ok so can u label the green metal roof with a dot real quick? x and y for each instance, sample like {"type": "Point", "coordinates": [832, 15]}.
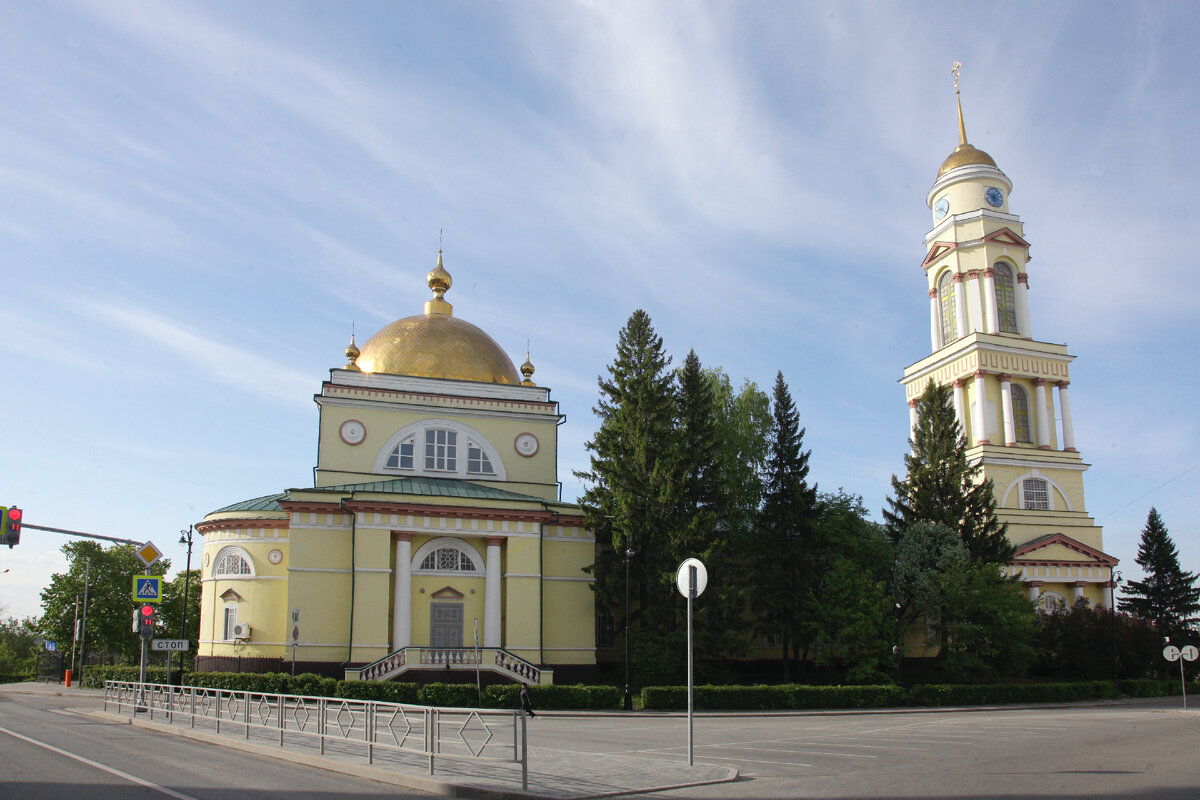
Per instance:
{"type": "Point", "coordinates": [268, 502]}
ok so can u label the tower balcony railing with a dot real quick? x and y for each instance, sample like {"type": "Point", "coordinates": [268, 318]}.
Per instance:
{"type": "Point", "coordinates": [489, 659]}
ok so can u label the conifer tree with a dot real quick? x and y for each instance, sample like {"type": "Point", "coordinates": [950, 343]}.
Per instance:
{"type": "Point", "coordinates": [942, 488]}
{"type": "Point", "coordinates": [782, 590]}
{"type": "Point", "coordinates": [1168, 597]}
{"type": "Point", "coordinates": [632, 491]}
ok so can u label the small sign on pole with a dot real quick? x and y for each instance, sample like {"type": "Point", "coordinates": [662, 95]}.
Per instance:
{"type": "Point", "coordinates": [692, 579]}
{"type": "Point", "coordinates": [148, 553]}
{"type": "Point", "coordinates": [169, 645]}
{"type": "Point", "coordinates": [1186, 653]}
{"type": "Point", "coordinates": [147, 588]}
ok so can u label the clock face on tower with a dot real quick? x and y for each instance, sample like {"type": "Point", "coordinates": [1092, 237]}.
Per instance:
{"type": "Point", "coordinates": [994, 197]}
{"type": "Point", "coordinates": [941, 209]}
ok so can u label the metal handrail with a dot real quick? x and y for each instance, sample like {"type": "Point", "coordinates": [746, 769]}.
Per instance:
{"type": "Point", "coordinates": [410, 657]}
{"type": "Point", "coordinates": [428, 731]}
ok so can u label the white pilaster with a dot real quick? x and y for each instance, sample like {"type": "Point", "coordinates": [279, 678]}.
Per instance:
{"type": "Point", "coordinates": [960, 305]}
{"type": "Point", "coordinates": [975, 318]}
{"type": "Point", "coordinates": [1078, 591]}
{"type": "Point", "coordinates": [978, 417]}
{"type": "Point", "coordinates": [402, 601]}
{"type": "Point", "coordinates": [958, 406]}
{"type": "Point", "coordinates": [1108, 595]}
{"type": "Point", "coordinates": [1024, 323]}
{"type": "Point", "coordinates": [935, 322]}
{"type": "Point", "coordinates": [1043, 415]}
{"type": "Point", "coordinates": [1068, 428]}
{"type": "Point", "coordinates": [912, 420]}
{"type": "Point", "coordinates": [1010, 428]}
{"type": "Point", "coordinates": [491, 594]}
{"type": "Point", "coordinates": [989, 301]}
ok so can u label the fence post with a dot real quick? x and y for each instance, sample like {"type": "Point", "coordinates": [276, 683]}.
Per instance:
{"type": "Point", "coordinates": [321, 711]}
{"type": "Point", "coordinates": [282, 707]}
{"type": "Point", "coordinates": [246, 697]}
{"type": "Point", "coordinates": [524, 753]}
{"type": "Point", "coordinates": [369, 732]}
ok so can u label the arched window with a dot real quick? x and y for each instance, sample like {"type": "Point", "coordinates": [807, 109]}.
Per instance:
{"type": "Point", "coordinates": [440, 447]}
{"type": "Point", "coordinates": [1020, 403]}
{"type": "Point", "coordinates": [447, 555]}
{"type": "Point", "coordinates": [1006, 306]}
{"type": "Point", "coordinates": [1050, 602]}
{"type": "Point", "coordinates": [232, 562]}
{"type": "Point", "coordinates": [946, 302]}
{"type": "Point", "coordinates": [1035, 494]}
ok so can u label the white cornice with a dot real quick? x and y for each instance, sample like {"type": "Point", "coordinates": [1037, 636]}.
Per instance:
{"type": "Point", "coordinates": [444, 386]}
{"type": "Point", "coordinates": [968, 172]}
{"type": "Point", "coordinates": [543, 417]}
{"type": "Point", "coordinates": [965, 217]}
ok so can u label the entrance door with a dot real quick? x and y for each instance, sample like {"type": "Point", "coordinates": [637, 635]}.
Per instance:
{"type": "Point", "coordinates": [445, 625]}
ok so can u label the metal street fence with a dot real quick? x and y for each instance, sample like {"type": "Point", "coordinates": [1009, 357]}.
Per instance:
{"type": "Point", "coordinates": [429, 732]}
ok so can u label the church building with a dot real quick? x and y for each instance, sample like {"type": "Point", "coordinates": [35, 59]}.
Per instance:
{"type": "Point", "coordinates": [1005, 381]}
{"type": "Point", "coordinates": [432, 540]}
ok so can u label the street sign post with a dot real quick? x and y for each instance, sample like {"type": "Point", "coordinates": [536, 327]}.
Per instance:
{"type": "Point", "coordinates": [1188, 652]}
{"type": "Point", "coordinates": [692, 579]}
{"type": "Point", "coordinates": [147, 553]}
{"type": "Point", "coordinates": [170, 645]}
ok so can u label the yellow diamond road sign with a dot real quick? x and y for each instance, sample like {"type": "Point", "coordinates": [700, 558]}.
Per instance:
{"type": "Point", "coordinates": [148, 553]}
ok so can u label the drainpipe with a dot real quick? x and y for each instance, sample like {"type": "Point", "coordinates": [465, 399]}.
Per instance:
{"type": "Point", "coordinates": [353, 575]}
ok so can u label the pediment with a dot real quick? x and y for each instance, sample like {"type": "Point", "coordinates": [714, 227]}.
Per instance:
{"type": "Point", "coordinates": [938, 250]}
{"type": "Point", "coordinates": [447, 593]}
{"type": "Point", "coordinates": [1007, 236]}
{"type": "Point", "coordinates": [1058, 548]}
{"type": "Point", "coordinates": [230, 596]}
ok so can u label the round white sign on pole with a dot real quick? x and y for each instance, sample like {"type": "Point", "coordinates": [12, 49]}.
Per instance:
{"type": "Point", "coordinates": [1171, 653]}
{"type": "Point", "coordinates": [682, 576]}
{"type": "Point", "coordinates": [1190, 652]}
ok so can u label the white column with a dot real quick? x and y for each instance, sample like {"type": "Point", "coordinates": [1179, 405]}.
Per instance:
{"type": "Point", "coordinates": [1109, 600]}
{"type": "Point", "coordinates": [960, 305]}
{"type": "Point", "coordinates": [935, 322]}
{"type": "Point", "coordinates": [491, 594]}
{"type": "Point", "coordinates": [958, 406]}
{"type": "Point", "coordinates": [989, 300]}
{"type": "Point", "coordinates": [1068, 428]}
{"type": "Point", "coordinates": [1024, 324]}
{"type": "Point", "coordinates": [1035, 590]}
{"type": "Point", "coordinates": [1006, 411]}
{"type": "Point", "coordinates": [1078, 591]}
{"type": "Point", "coordinates": [402, 601]}
{"type": "Point", "coordinates": [912, 420]}
{"type": "Point", "coordinates": [973, 320]}
{"type": "Point", "coordinates": [1043, 414]}
{"type": "Point", "coordinates": [980, 398]}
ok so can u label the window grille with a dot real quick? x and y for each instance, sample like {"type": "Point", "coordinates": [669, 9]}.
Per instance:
{"type": "Point", "coordinates": [441, 450]}
{"type": "Point", "coordinates": [1036, 494]}
{"type": "Point", "coordinates": [1006, 308]}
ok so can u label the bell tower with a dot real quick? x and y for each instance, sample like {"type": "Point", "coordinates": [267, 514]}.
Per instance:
{"type": "Point", "coordinates": [1005, 382]}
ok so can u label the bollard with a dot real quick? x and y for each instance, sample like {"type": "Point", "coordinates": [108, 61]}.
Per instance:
{"type": "Point", "coordinates": [67, 678]}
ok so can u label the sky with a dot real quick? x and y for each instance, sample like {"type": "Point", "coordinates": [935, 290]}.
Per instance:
{"type": "Point", "coordinates": [200, 202]}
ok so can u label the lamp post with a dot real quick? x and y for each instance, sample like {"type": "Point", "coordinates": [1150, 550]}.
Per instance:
{"type": "Point", "coordinates": [185, 538]}
{"type": "Point", "coordinates": [1116, 578]}
{"type": "Point", "coordinates": [628, 693]}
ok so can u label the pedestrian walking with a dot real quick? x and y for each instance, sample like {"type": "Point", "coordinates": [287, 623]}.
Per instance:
{"type": "Point", "coordinates": [526, 700]}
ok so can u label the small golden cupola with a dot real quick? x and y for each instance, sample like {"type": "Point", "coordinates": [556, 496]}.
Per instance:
{"type": "Point", "coordinates": [527, 371]}
{"type": "Point", "coordinates": [437, 344]}
{"type": "Point", "coordinates": [965, 153]}
{"type": "Point", "coordinates": [352, 354]}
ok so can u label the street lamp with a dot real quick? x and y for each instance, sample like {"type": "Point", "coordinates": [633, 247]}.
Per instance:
{"type": "Point", "coordinates": [185, 538]}
{"type": "Point", "coordinates": [628, 694]}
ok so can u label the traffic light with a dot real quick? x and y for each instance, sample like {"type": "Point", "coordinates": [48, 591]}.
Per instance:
{"type": "Point", "coordinates": [12, 526]}
{"type": "Point", "coordinates": [146, 621]}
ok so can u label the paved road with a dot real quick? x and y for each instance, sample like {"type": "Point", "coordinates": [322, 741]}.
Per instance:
{"type": "Point", "coordinates": [1129, 749]}
{"type": "Point", "coordinates": [48, 752]}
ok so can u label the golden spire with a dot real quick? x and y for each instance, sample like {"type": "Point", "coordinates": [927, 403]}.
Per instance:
{"type": "Point", "coordinates": [439, 281]}
{"type": "Point", "coordinates": [962, 129]}
{"type": "Point", "coordinates": [527, 369]}
{"type": "Point", "coordinates": [352, 354]}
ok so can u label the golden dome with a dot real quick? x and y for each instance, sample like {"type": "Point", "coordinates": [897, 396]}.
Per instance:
{"type": "Point", "coordinates": [965, 154]}
{"type": "Point", "coordinates": [436, 344]}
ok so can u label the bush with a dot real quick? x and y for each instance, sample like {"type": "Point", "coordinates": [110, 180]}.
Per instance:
{"type": "Point", "coordinates": [265, 682]}
{"type": "Point", "coordinates": [451, 695]}
{"type": "Point", "coordinates": [379, 691]}
{"type": "Point", "coordinates": [578, 696]}
{"type": "Point", "coordinates": [993, 694]}
{"type": "Point", "coordinates": [94, 677]}
{"type": "Point", "coordinates": [767, 698]}
{"type": "Point", "coordinates": [312, 685]}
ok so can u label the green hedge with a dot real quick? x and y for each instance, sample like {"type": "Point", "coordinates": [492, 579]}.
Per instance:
{"type": "Point", "coordinates": [1148, 687]}
{"type": "Point", "coordinates": [578, 696]}
{"type": "Point", "coordinates": [765, 698]}
{"type": "Point", "coordinates": [94, 677]}
{"type": "Point", "coordinates": [993, 694]}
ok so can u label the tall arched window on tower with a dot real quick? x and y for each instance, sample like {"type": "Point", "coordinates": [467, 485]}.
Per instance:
{"type": "Point", "coordinates": [1020, 403]}
{"type": "Point", "coordinates": [946, 303]}
{"type": "Point", "coordinates": [1006, 304]}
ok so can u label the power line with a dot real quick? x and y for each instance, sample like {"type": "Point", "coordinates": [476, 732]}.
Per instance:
{"type": "Point", "coordinates": [1152, 491]}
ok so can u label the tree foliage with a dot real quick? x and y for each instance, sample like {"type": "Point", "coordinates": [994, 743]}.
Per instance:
{"type": "Point", "coordinates": [1168, 596]}
{"type": "Point", "coordinates": [941, 487]}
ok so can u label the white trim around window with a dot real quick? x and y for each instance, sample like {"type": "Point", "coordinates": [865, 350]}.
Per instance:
{"type": "Point", "coordinates": [470, 456]}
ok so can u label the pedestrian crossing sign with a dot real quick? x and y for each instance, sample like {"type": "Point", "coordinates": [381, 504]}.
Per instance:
{"type": "Point", "coordinates": [147, 588]}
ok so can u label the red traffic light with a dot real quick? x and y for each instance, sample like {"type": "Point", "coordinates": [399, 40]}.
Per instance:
{"type": "Point", "coordinates": [147, 612]}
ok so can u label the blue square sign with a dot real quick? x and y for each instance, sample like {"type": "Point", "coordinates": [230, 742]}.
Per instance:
{"type": "Point", "coordinates": [147, 588]}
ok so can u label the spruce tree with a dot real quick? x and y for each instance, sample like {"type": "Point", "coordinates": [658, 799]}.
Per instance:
{"type": "Point", "coordinates": [631, 489]}
{"type": "Point", "coordinates": [782, 590]}
{"type": "Point", "coordinates": [942, 488]}
{"type": "Point", "coordinates": [1168, 596]}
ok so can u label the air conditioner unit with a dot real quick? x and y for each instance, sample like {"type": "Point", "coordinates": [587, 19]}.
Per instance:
{"type": "Point", "coordinates": [241, 631]}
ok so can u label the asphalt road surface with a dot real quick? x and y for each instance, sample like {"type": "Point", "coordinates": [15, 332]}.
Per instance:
{"type": "Point", "coordinates": [48, 752]}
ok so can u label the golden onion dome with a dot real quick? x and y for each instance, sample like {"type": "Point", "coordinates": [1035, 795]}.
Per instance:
{"type": "Point", "coordinates": [436, 344]}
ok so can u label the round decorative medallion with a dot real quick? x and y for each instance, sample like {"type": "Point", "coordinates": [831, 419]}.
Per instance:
{"type": "Point", "coordinates": [526, 444]}
{"type": "Point", "coordinates": [275, 556]}
{"type": "Point", "coordinates": [353, 432]}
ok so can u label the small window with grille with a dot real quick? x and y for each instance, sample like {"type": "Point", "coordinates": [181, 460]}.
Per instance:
{"type": "Point", "coordinates": [448, 559]}
{"type": "Point", "coordinates": [1035, 494]}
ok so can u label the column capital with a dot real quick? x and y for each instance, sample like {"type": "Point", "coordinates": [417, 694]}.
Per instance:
{"type": "Point", "coordinates": [959, 383]}
{"type": "Point", "coordinates": [1005, 377]}
{"type": "Point", "coordinates": [933, 293]}
{"type": "Point", "coordinates": [990, 272]}
{"type": "Point", "coordinates": [973, 274]}
{"type": "Point", "coordinates": [979, 373]}
{"type": "Point", "coordinates": [957, 278]}
{"type": "Point", "coordinates": [1039, 381]}
{"type": "Point", "coordinates": [1038, 584]}
{"type": "Point", "coordinates": [913, 403]}
{"type": "Point", "coordinates": [1079, 584]}
{"type": "Point", "coordinates": [493, 541]}
{"type": "Point", "coordinates": [1023, 277]}
{"type": "Point", "coordinates": [1062, 384]}
{"type": "Point", "coordinates": [403, 536]}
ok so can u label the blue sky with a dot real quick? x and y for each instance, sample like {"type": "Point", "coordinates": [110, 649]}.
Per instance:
{"type": "Point", "coordinates": [199, 202]}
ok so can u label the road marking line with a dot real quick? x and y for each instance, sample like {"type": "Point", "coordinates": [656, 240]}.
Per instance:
{"type": "Point", "coordinates": [98, 765]}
